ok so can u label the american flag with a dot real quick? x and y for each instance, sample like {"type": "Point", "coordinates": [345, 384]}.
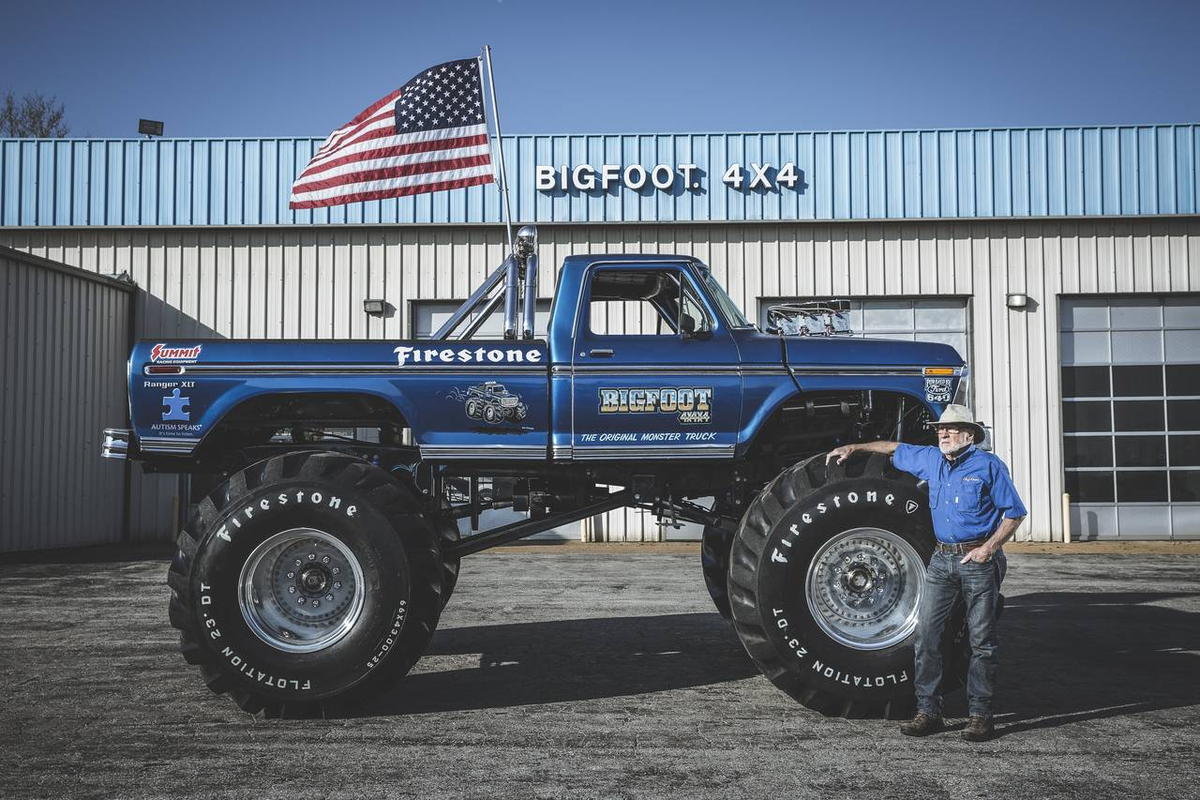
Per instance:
{"type": "Point", "coordinates": [428, 135]}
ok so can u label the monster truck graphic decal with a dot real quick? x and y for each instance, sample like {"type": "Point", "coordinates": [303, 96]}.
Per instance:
{"type": "Point", "coordinates": [492, 403]}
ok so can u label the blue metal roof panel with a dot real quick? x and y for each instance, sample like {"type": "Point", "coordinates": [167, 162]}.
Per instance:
{"type": "Point", "coordinates": [842, 175]}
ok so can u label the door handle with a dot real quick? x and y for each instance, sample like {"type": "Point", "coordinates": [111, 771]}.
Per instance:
{"type": "Point", "coordinates": [602, 352]}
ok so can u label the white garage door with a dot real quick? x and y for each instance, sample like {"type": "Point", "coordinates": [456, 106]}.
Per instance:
{"type": "Point", "coordinates": [1131, 416]}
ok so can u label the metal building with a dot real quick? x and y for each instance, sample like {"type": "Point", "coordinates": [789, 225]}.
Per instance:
{"type": "Point", "coordinates": [67, 335]}
{"type": "Point", "coordinates": [1063, 263]}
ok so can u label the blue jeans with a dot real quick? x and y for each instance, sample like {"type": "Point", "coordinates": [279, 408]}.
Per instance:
{"type": "Point", "coordinates": [946, 580]}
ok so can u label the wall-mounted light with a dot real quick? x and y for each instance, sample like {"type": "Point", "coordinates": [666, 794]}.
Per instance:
{"type": "Point", "coordinates": [377, 308]}
{"type": "Point", "coordinates": [150, 127]}
{"type": "Point", "coordinates": [1016, 301]}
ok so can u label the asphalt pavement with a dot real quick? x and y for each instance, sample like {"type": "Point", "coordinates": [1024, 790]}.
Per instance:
{"type": "Point", "coordinates": [598, 672]}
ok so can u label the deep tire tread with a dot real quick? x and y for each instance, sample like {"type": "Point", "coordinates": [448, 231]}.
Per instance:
{"type": "Point", "coordinates": [423, 551]}
{"type": "Point", "coordinates": [788, 488]}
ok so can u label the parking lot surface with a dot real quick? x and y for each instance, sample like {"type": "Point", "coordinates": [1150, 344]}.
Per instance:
{"type": "Point", "coordinates": [598, 673]}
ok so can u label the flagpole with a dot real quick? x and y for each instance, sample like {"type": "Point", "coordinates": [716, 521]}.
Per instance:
{"type": "Point", "coordinates": [487, 53]}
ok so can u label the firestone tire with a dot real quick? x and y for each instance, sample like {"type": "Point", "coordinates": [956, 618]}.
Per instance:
{"type": "Point", "coordinates": [360, 539]}
{"type": "Point", "coordinates": [715, 545]}
{"type": "Point", "coordinates": [825, 579]}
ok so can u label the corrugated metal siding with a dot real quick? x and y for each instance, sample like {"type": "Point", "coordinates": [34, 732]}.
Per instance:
{"type": "Point", "coordinates": [922, 174]}
{"type": "Point", "coordinates": [62, 358]}
{"type": "Point", "coordinates": [305, 283]}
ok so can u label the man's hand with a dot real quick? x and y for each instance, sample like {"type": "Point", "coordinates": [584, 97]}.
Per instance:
{"type": "Point", "coordinates": [840, 453]}
{"type": "Point", "coordinates": [980, 555]}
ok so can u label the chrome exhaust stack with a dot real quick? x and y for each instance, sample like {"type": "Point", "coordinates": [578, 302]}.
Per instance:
{"type": "Point", "coordinates": [527, 253]}
{"type": "Point", "coordinates": [515, 278]}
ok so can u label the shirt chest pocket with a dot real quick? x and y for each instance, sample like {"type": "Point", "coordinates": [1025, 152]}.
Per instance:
{"type": "Point", "coordinates": [965, 494]}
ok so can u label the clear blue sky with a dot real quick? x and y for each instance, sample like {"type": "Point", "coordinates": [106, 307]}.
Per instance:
{"type": "Point", "coordinates": [301, 69]}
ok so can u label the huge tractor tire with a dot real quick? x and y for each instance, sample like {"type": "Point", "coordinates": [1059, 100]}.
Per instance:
{"type": "Point", "coordinates": [304, 583]}
{"type": "Point", "coordinates": [715, 544]}
{"type": "Point", "coordinates": [445, 525]}
{"type": "Point", "coordinates": [826, 576]}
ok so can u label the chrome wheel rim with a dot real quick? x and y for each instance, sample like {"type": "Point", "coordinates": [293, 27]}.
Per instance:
{"type": "Point", "coordinates": [864, 588]}
{"type": "Point", "coordinates": [301, 590]}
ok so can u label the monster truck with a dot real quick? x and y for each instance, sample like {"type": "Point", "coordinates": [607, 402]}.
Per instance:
{"type": "Point", "coordinates": [313, 571]}
{"type": "Point", "coordinates": [492, 403]}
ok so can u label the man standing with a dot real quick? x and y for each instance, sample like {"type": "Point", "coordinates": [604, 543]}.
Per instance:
{"type": "Point", "coordinates": [975, 510]}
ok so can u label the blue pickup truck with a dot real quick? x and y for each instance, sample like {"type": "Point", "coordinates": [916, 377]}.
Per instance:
{"type": "Point", "coordinates": [314, 572]}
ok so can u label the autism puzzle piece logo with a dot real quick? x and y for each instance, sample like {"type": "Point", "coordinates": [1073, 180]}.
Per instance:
{"type": "Point", "coordinates": [175, 408]}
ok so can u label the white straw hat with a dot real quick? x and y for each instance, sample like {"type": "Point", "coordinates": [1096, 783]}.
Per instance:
{"type": "Point", "coordinates": [960, 415]}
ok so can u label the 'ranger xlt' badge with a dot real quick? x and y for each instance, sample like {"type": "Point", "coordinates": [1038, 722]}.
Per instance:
{"type": "Point", "coordinates": [692, 404]}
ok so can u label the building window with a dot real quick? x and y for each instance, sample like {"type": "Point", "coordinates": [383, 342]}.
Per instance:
{"type": "Point", "coordinates": [1131, 415]}
{"type": "Point", "coordinates": [429, 315]}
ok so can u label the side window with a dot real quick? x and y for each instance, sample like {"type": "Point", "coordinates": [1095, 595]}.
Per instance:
{"type": "Point", "coordinates": [693, 320]}
{"type": "Point", "coordinates": [643, 303]}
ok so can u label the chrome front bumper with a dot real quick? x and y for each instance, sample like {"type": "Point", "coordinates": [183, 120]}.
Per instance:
{"type": "Point", "coordinates": [116, 443]}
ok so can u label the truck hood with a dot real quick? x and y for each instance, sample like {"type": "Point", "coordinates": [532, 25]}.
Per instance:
{"type": "Point", "coordinates": [822, 354]}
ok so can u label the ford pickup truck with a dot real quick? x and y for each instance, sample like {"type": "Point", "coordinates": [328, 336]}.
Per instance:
{"type": "Point", "coordinates": [313, 572]}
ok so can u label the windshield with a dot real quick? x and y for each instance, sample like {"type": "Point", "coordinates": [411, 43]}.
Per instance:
{"type": "Point", "coordinates": [728, 307]}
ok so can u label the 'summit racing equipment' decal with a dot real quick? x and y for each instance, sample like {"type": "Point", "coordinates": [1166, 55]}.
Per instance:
{"type": "Point", "coordinates": [465, 355]}
{"type": "Point", "coordinates": [692, 404]}
{"type": "Point", "coordinates": [161, 352]}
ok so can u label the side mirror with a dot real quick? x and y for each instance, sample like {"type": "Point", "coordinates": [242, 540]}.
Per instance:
{"type": "Point", "coordinates": [687, 326]}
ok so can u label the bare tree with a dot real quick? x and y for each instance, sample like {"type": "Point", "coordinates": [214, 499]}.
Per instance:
{"type": "Point", "coordinates": [34, 115]}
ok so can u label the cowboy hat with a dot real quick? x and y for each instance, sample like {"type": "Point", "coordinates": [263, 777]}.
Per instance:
{"type": "Point", "coordinates": [959, 416]}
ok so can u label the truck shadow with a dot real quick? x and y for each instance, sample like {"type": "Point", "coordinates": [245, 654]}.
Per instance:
{"type": "Point", "coordinates": [569, 660]}
{"type": "Point", "coordinates": [1066, 657]}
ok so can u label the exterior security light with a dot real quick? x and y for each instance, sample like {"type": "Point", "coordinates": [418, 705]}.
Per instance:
{"type": "Point", "coordinates": [376, 308]}
{"type": "Point", "coordinates": [150, 127]}
{"type": "Point", "coordinates": [1016, 301]}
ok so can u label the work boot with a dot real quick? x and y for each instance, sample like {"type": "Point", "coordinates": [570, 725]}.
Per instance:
{"type": "Point", "coordinates": [921, 725]}
{"type": "Point", "coordinates": [979, 729]}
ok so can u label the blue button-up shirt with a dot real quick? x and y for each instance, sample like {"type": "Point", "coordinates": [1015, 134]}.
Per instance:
{"type": "Point", "coordinates": [967, 498]}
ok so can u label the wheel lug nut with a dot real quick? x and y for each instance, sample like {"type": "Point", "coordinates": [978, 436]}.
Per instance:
{"type": "Point", "coordinates": [316, 603]}
{"type": "Point", "coordinates": [312, 556]}
{"type": "Point", "coordinates": [336, 570]}
{"type": "Point", "coordinates": [291, 590]}
{"type": "Point", "coordinates": [291, 574]}
{"type": "Point", "coordinates": [298, 562]}
{"type": "Point", "coordinates": [325, 560]}
{"type": "Point", "coordinates": [337, 584]}
{"type": "Point", "coordinates": [329, 597]}
{"type": "Point", "coordinates": [300, 600]}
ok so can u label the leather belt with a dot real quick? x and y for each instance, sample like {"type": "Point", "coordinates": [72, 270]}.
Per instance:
{"type": "Point", "coordinates": [961, 548]}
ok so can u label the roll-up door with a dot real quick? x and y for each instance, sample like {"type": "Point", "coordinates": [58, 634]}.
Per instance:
{"type": "Point", "coordinates": [1131, 416]}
